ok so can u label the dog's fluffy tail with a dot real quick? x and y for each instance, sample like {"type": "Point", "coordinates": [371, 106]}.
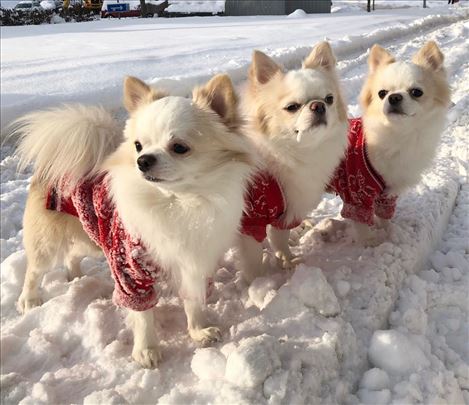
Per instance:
{"type": "Point", "coordinates": [68, 142]}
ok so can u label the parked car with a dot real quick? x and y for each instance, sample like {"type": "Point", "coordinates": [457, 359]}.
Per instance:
{"type": "Point", "coordinates": [51, 4]}
{"type": "Point", "coordinates": [131, 8]}
{"type": "Point", "coordinates": [28, 5]}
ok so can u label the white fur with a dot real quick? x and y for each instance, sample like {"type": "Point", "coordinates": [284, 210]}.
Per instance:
{"type": "Point", "coordinates": [72, 140]}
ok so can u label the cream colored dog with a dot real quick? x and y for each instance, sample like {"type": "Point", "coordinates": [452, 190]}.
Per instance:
{"type": "Point", "coordinates": [298, 121]}
{"type": "Point", "coordinates": [167, 196]}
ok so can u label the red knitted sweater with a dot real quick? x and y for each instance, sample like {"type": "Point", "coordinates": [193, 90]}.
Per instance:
{"type": "Point", "coordinates": [133, 271]}
{"type": "Point", "coordinates": [361, 188]}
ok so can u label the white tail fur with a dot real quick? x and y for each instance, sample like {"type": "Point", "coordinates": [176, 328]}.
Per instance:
{"type": "Point", "coordinates": [69, 141]}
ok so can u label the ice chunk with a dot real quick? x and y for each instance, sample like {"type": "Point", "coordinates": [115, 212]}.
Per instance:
{"type": "Point", "coordinates": [395, 353]}
{"type": "Point", "coordinates": [252, 362]}
{"type": "Point", "coordinates": [208, 364]}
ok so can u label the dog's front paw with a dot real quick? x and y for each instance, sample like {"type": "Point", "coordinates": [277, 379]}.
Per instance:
{"type": "Point", "coordinates": [331, 230]}
{"type": "Point", "coordinates": [27, 302]}
{"type": "Point", "coordinates": [147, 357]}
{"type": "Point", "coordinates": [205, 336]}
{"type": "Point", "coordinates": [287, 261]}
{"type": "Point", "coordinates": [297, 233]}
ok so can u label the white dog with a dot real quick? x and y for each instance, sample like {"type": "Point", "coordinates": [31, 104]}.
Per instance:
{"type": "Point", "coordinates": [169, 197]}
{"type": "Point", "coordinates": [404, 109]}
{"type": "Point", "coordinates": [298, 121]}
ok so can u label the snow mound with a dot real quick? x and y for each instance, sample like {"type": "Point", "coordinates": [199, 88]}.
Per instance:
{"type": "Point", "coordinates": [208, 364]}
{"type": "Point", "coordinates": [312, 289]}
{"type": "Point", "coordinates": [252, 362]}
{"type": "Point", "coordinates": [298, 13]}
{"type": "Point", "coordinates": [395, 352]}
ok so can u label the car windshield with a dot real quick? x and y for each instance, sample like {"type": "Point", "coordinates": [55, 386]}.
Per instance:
{"type": "Point", "coordinates": [24, 5]}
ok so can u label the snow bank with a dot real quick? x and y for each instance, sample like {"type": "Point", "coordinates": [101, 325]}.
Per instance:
{"type": "Point", "coordinates": [298, 13]}
{"type": "Point", "coordinates": [198, 6]}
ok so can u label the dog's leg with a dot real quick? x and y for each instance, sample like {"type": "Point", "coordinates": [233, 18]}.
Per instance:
{"type": "Point", "coordinates": [72, 263]}
{"type": "Point", "coordinates": [30, 297]}
{"type": "Point", "coordinates": [250, 258]}
{"type": "Point", "coordinates": [197, 324]}
{"type": "Point", "coordinates": [145, 350]}
{"type": "Point", "coordinates": [278, 239]}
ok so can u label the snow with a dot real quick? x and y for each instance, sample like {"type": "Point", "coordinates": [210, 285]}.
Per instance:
{"type": "Point", "coordinates": [349, 325]}
{"type": "Point", "coordinates": [298, 13]}
{"type": "Point", "coordinates": [197, 6]}
{"type": "Point", "coordinates": [62, 69]}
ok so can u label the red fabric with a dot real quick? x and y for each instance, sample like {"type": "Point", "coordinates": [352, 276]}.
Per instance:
{"type": "Point", "coordinates": [133, 272]}
{"type": "Point", "coordinates": [361, 188]}
{"type": "Point", "coordinates": [264, 205]}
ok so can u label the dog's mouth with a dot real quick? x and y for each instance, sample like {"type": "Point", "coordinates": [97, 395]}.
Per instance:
{"type": "Point", "coordinates": [153, 179]}
{"type": "Point", "coordinates": [321, 120]}
{"type": "Point", "coordinates": [397, 112]}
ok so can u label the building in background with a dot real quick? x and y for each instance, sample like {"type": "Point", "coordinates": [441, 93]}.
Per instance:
{"type": "Point", "coordinates": [276, 7]}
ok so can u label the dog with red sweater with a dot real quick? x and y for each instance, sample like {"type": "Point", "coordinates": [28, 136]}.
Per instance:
{"type": "Point", "coordinates": [404, 109]}
{"type": "Point", "coordinates": [167, 196]}
{"type": "Point", "coordinates": [297, 120]}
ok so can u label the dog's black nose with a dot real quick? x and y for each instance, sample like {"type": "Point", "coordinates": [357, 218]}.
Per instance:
{"type": "Point", "coordinates": [318, 107]}
{"type": "Point", "coordinates": [395, 99]}
{"type": "Point", "coordinates": [145, 162]}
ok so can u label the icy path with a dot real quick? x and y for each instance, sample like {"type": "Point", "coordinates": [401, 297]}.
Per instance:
{"type": "Point", "coordinates": [290, 338]}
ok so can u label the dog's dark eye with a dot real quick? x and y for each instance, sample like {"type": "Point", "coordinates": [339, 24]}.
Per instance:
{"type": "Point", "coordinates": [416, 93]}
{"type": "Point", "coordinates": [329, 99]}
{"type": "Point", "coordinates": [138, 146]}
{"type": "Point", "coordinates": [382, 94]}
{"type": "Point", "coordinates": [180, 149]}
{"type": "Point", "coordinates": [292, 107]}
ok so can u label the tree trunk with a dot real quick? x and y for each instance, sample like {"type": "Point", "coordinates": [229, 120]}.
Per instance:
{"type": "Point", "coordinates": [143, 9]}
{"type": "Point", "coordinates": [368, 6]}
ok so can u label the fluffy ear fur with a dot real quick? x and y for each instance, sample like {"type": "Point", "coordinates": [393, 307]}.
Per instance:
{"type": "Point", "coordinates": [320, 57]}
{"type": "Point", "coordinates": [262, 68]}
{"type": "Point", "coordinates": [429, 56]}
{"type": "Point", "coordinates": [137, 93]}
{"type": "Point", "coordinates": [218, 95]}
{"type": "Point", "coordinates": [378, 57]}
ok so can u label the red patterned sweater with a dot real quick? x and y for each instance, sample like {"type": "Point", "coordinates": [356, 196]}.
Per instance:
{"type": "Point", "coordinates": [361, 188]}
{"type": "Point", "coordinates": [133, 271]}
{"type": "Point", "coordinates": [265, 205]}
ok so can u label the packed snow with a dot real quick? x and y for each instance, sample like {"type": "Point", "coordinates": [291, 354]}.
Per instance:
{"type": "Point", "coordinates": [349, 325]}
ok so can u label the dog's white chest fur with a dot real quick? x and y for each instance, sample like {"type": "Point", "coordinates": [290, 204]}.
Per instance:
{"type": "Point", "coordinates": [185, 234]}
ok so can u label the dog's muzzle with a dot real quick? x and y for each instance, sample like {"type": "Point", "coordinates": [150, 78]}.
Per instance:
{"type": "Point", "coordinates": [319, 113]}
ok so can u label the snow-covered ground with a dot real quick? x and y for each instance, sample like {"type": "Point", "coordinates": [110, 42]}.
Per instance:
{"type": "Point", "coordinates": [48, 64]}
{"type": "Point", "coordinates": [375, 325]}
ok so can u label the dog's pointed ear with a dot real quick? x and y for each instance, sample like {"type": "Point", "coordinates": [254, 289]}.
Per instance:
{"type": "Point", "coordinates": [218, 95]}
{"type": "Point", "coordinates": [429, 56]}
{"type": "Point", "coordinates": [379, 56]}
{"type": "Point", "coordinates": [262, 68]}
{"type": "Point", "coordinates": [321, 56]}
{"type": "Point", "coordinates": [137, 93]}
